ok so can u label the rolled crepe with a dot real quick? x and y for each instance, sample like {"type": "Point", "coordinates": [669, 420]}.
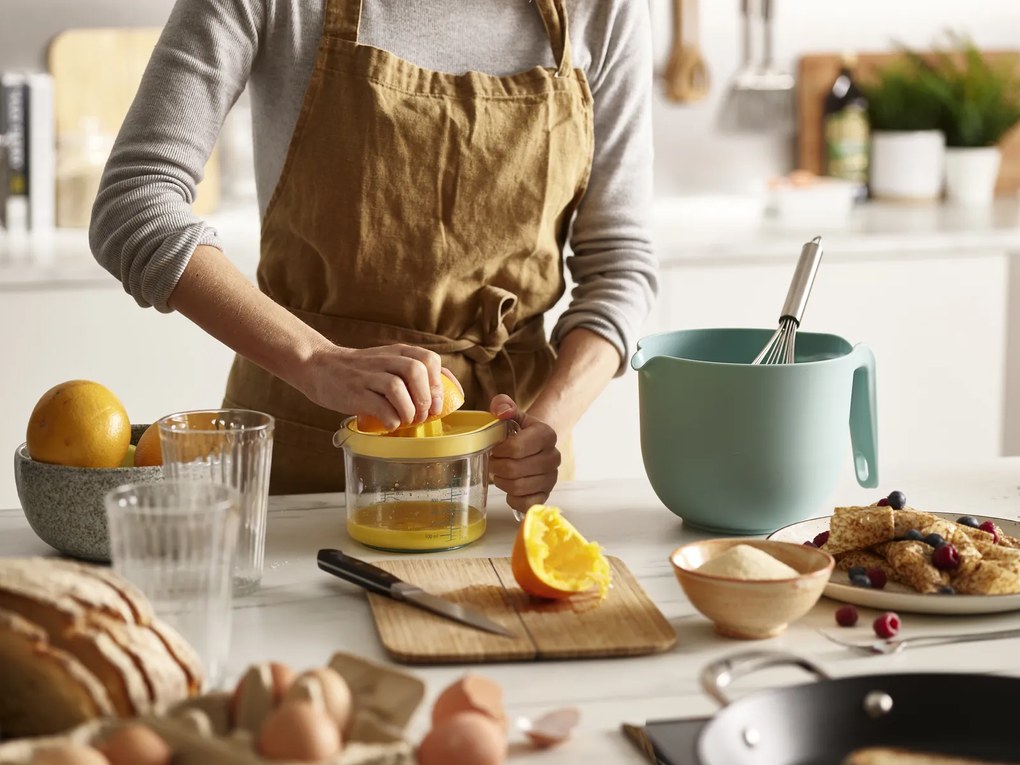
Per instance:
{"type": "Point", "coordinates": [912, 563]}
{"type": "Point", "coordinates": [857, 528]}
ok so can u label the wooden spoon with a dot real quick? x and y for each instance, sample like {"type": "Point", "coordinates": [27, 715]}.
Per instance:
{"type": "Point", "coordinates": [686, 73]}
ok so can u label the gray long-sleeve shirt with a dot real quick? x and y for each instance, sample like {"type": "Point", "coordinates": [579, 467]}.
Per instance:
{"type": "Point", "coordinates": [144, 231]}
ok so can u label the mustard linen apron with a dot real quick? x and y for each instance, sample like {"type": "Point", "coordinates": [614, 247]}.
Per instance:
{"type": "Point", "coordinates": [423, 208]}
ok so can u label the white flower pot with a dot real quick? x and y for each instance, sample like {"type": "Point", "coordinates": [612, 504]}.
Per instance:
{"type": "Point", "coordinates": [971, 174]}
{"type": "Point", "coordinates": [907, 165]}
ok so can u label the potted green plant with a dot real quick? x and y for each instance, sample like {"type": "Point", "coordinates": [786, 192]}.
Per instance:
{"type": "Point", "coordinates": [979, 102]}
{"type": "Point", "coordinates": [907, 145]}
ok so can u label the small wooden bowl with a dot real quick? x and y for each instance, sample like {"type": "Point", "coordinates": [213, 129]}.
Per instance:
{"type": "Point", "coordinates": [752, 609]}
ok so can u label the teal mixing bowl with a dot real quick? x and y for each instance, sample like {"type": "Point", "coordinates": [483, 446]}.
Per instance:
{"type": "Point", "coordinates": [741, 449]}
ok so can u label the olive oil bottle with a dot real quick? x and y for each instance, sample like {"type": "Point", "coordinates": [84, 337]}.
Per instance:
{"type": "Point", "coordinates": [846, 130]}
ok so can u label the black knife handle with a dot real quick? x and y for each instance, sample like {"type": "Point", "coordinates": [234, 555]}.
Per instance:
{"type": "Point", "coordinates": [357, 572]}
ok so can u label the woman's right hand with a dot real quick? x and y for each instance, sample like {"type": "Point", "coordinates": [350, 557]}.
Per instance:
{"type": "Point", "coordinates": [397, 384]}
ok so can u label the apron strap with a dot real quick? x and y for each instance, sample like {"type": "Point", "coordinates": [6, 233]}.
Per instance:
{"type": "Point", "coordinates": [342, 19]}
{"type": "Point", "coordinates": [554, 16]}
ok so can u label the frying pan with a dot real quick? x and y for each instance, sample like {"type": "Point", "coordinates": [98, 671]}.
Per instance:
{"type": "Point", "coordinates": [820, 723]}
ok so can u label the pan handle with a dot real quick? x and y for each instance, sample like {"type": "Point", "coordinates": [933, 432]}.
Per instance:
{"type": "Point", "coordinates": [719, 674]}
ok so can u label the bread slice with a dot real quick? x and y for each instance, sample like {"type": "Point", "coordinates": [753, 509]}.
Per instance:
{"type": "Point", "coordinates": [143, 614]}
{"type": "Point", "coordinates": [164, 678]}
{"type": "Point", "coordinates": [45, 690]}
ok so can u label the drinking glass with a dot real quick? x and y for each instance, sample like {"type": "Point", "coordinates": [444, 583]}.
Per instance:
{"type": "Point", "coordinates": [175, 540]}
{"type": "Point", "coordinates": [233, 447]}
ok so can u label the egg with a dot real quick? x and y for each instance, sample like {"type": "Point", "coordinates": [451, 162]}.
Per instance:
{"type": "Point", "coordinates": [136, 744]}
{"type": "Point", "coordinates": [296, 731]}
{"type": "Point", "coordinates": [465, 738]}
{"type": "Point", "coordinates": [68, 754]}
{"type": "Point", "coordinates": [472, 693]}
{"type": "Point", "coordinates": [324, 686]}
{"type": "Point", "coordinates": [258, 691]}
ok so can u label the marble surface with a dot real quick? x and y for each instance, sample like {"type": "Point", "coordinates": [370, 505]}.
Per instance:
{"type": "Point", "coordinates": [695, 230]}
{"type": "Point", "coordinates": [301, 615]}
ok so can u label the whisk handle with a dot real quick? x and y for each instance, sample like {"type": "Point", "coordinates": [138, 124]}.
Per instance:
{"type": "Point", "coordinates": [803, 278]}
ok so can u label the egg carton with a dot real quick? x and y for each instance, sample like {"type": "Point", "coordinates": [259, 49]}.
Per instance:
{"type": "Point", "coordinates": [199, 729]}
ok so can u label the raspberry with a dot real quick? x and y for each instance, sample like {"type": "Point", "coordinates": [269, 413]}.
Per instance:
{"type": "Point", "coordinates": [846, 616]}
{"type": "Point", "coordinates": [877, 577]}
{"type": "Point", "coordinates": [991, 529]}
{"type": "Point", "coordinates": [886, 625]}
{"type": "Point", "coordinates": [883, 502]}
{"type": "Point", "coordinates": [821, 539]}
{"type": "Point", "coordinates": [945, 557]}
{"type": "Point", "coordinates": [809, 543]}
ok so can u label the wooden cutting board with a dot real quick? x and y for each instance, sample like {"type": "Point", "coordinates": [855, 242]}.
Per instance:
{"type": "Point", "coordinates": [626, 623]}
{"type": "Point", "coordinates": [817, 72]}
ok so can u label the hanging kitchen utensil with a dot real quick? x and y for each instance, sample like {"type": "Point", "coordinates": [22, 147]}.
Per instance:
{"type": "Point", "coordinates": [781, 347]}
{"type": "Point", "coordinates": [827, 720]}
{"type": "Point", "coordinates": [761, 98]}
{"type": "Point", "coordinates": [686, 74]}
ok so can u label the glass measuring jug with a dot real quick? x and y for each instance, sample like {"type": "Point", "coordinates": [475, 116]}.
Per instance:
{"type": "Point", "coordinates": [407, 494]}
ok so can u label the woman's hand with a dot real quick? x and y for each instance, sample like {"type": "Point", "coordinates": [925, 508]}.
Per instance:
{"type": "Point", "coordinates": [526, 464]}
{"type": "Point", "coordinates": [396, 384]}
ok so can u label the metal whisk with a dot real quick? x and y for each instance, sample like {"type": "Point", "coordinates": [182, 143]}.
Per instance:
{"type": "Point", "coordinates": [781, 346]}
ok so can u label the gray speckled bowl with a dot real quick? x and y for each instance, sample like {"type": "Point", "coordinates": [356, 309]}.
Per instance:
{"type": "Point", "coordinates": [64, 505]}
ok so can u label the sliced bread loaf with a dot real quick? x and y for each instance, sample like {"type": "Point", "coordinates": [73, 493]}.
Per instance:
{"type": "Point", "coordinates": [45, 690]}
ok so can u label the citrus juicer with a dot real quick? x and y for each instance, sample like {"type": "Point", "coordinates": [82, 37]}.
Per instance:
{"type": "Point", "coordinates": [418, 493]}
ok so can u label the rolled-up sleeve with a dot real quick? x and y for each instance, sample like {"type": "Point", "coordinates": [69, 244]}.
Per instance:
{"type": "Point", "coordinates": [613, 265]}
{"type": "Point", "coordinates": [143, 228]}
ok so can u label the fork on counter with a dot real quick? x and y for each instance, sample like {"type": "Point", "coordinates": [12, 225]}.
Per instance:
{"type": "Point", "coordinates": [887, 647]}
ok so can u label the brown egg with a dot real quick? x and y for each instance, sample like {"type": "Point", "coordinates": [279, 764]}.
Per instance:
{"type": "Point", "coordinates": [552, 728]}
{"type": "Point", "coordinates": [135, 744]}
{"type": "Point", "coordinates": [326, 686]}
{"type": "Point", "coordinates": [298, 732]}
{"type": "Point", "coordinates": [466, 738]}
{"type": "Point", "coordinates": [68, 754]}
{"type": "Point", "coordinates": [260, 689]}
{"type": "Point", "coordinates": [472, 693]}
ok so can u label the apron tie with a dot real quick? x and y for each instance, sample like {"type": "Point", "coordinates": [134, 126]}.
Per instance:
{"type": "Point", "coordinates": [487, 344]}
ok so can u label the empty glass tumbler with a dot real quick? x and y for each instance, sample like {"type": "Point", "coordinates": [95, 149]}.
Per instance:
{"type": "Point", "coordinates": [233, 447]}
{"type": "Point", "coordinates": [175, 540]}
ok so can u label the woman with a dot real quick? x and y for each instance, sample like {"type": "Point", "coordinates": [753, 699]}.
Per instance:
{"type": "Point", "coordinates": [420, 167]}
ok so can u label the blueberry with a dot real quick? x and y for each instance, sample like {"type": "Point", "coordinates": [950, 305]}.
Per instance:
{"type": "Point", "coordinates": [935, 540]}
{"type": "Point", "coordinates": [946, 590]}
{"type": "Point", "coordinates": [897, 500]}
{"type": "Point", "coordinates": [856, 571]}
{"type": "Point", "coordinates": [969, 520]}
{"type": "Point", "coordinates": [861, 580]}
{"type": "Point", "coordinates": [914, 534]}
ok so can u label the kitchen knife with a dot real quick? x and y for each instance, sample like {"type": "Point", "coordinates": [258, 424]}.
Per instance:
{"type": "Point", "coordinates": [375, 579]}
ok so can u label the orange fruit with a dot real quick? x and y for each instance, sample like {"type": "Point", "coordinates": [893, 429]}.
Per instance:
{"type": "Point", "coordinates": [453, 400]}
{"type": "Point", "coordinates": [550, 558]}
{"type": "Point", "coordinates": [147, 450]}
{"type": "Point", "coordinates": [79, 423]}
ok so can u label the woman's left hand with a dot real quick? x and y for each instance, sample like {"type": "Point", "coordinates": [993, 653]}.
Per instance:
{"type": "Point", "coordinates": [526, 464]}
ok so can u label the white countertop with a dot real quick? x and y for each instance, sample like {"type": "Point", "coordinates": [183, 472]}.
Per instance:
{"type": "Point", "coordinates": [693, 230]}
{"type": "Point", "coordinates": [301, 615]}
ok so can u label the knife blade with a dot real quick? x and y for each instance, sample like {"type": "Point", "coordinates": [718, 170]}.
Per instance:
{"type": "Point", "coordinates": [375, 579]}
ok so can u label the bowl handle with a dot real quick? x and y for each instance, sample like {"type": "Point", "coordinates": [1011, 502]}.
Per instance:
{"type": "Point", "coordinates": [719, 674]}
{"type": "Point", "coordinates": [864, 417]}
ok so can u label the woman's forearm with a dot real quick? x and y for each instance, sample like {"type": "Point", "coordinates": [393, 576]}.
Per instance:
{"type": "Point", "coordinates": [584, 365]}
{"type": "Point", "coordinates": [222, 301]}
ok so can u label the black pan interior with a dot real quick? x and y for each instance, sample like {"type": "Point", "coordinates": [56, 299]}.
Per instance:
{"type": "Point", "coordinates": [820, 723]}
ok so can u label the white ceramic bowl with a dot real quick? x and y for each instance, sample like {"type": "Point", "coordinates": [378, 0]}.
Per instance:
{"type": "Point", "coordinates": [64, 505]}
{"type": "Point", "coordinates": [752, 609]}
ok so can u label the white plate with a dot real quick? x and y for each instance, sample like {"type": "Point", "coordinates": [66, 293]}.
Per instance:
{"type": "Point", "coordinates": [898, 597]}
